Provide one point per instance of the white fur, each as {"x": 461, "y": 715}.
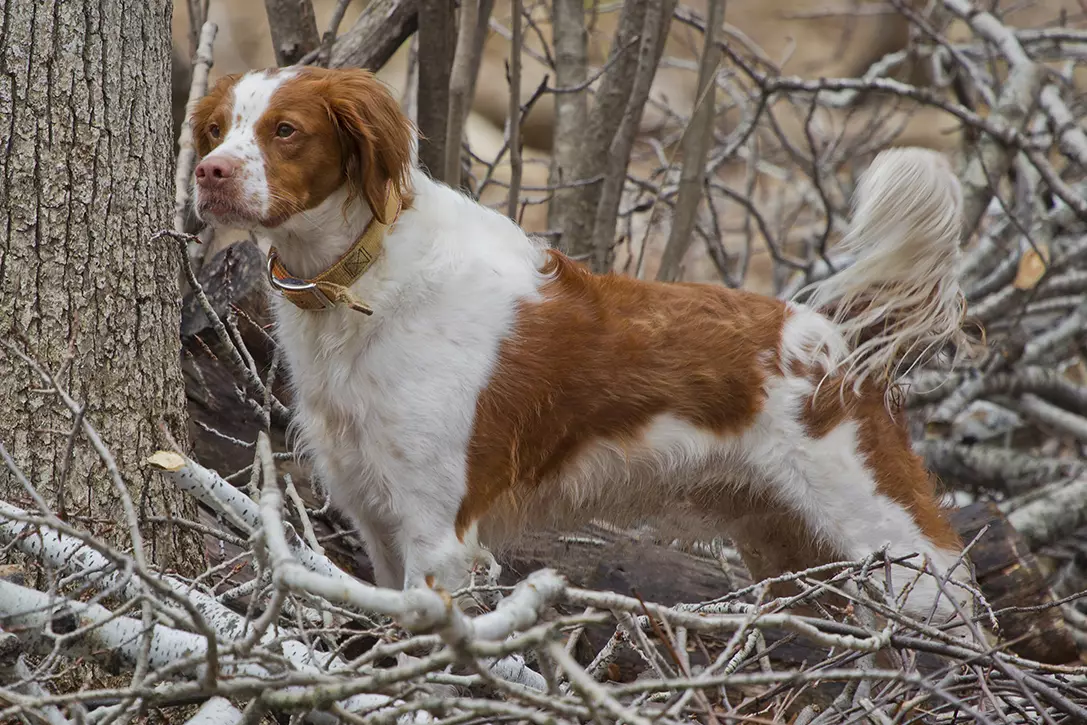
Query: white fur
{"x": 905, "y": 232}
{"x": 386, "y": 404}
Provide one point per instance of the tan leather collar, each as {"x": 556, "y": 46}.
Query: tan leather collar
{"x": 332, "y": 287}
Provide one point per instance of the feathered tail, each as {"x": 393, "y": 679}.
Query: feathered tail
{"x": 900, "y": 301}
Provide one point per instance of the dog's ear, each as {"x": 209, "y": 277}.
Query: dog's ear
{"x": 375, "y": 134}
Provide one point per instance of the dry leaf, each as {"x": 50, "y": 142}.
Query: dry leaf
{"x": 166, "y": 461}
{"x": 1032, "y": 266}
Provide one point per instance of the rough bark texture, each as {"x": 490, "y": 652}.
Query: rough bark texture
{"x": 85, "y": 180}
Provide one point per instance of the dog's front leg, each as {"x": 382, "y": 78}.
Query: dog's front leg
{"x": 379, "y": 538}
{"x": 434, "y": 556}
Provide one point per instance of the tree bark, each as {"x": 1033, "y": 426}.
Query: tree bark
{"x": 696, "y": 143}
{"x": 571, "y": 108}
{"x": 381, "y": 28}
{"x": 437, "y": 44}
{"x": 85, "y": 180}
{"x": 294, "y": 29}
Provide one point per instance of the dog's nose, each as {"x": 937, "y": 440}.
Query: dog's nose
{"x": 210, "y": 173}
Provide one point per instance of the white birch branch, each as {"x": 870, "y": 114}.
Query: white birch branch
{"x": 216, "y": 711}
{"x": 92, "y": 631}
{"x": 60, "y": 550}
{"x": 209, "y": 488}
{"x": 186, "y": 155}
{"x": 1072, "y": 138}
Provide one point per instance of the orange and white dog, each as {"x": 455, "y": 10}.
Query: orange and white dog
{"x": 459, "y": 383}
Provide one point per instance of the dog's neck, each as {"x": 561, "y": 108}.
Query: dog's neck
{"x": 311, "y": 241}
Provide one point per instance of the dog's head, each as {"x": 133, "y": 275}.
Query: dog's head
{"x": 276, "y": 143}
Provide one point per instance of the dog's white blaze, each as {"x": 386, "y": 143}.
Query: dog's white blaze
{"x": 251, "y": 97}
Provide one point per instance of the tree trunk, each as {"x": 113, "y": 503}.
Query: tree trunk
{"x": 437, "y": 44}
{"x": 85, "y": 180}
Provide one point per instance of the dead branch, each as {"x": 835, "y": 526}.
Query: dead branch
{"x": 658, "y": 20}
{"x": 612, "y": 127}
{"x": 329, "y": 37}
{"x": 696, "y": 143}
{"x": 513, "y": 116}
{"x": 993, "y": 160}
{"x": 198, "y": 15}
{"x": 381, "y": 28}
{"x": 603, "y": 123}
{"x": 186, "y": 155}
{"x": 1053, "y": 516}
{"x": 294, "y": 29}
{"x": 479, "y": 38}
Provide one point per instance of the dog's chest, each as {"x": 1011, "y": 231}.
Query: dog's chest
{"x": 377, "y": 404}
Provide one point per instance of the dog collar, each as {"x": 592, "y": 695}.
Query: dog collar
{"x": 333, "y": 286}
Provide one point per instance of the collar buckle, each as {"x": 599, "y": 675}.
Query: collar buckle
{"x": 293, "y": 286}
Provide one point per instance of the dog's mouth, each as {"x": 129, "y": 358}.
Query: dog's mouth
{"x": 219, "y": 210}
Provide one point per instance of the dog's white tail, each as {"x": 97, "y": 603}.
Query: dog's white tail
{"x": 900, "y": 300}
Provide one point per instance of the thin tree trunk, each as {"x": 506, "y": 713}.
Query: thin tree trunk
{"x": 658, "y": 20}
{"x": 609, "y": 104}
{"x": 437, "y": 45}
{"x": 460, "y": 82}
{"x": 85, "y": 180}
{"x": 514, "y": 115}
{"x": 589, "y": 218}
{"x": 571, "y": 107}
{"x": 696, "y": 145}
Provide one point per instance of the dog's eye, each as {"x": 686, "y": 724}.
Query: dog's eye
{"x": 213, "y": 129}
{"x": 284, "y": 130}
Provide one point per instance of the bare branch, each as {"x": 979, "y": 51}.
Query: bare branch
{"x": 216, "y": 711}
{"x": 611, "y": 129}
{"x": 513, "y": 116}
{"x": 460, "y": 85}
{"x": 329, "y": 37}
{"x": 294, "y": 29}
{"x": 381, "y": 28}
{"x": 609, "y": 104}
{"x": 1051, "y": 517}
{"x": 658, "y": 20}
{"x": 696, "y": 143}
{"x": 198, "y": 15}
{"x": 994, "y": 159}
{"x": 479, "y": 38}
{"x": 186, "y": 155}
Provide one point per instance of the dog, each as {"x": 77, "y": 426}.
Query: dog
{"x": 459, "y": 383}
